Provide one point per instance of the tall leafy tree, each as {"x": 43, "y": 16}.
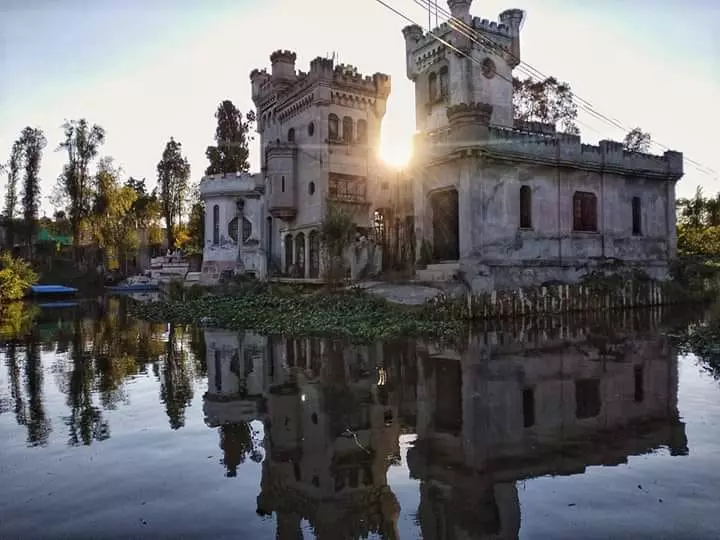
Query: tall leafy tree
{"x": 232, "y": 135}
{"x": 11, "y": 196}
{"x": 548, "y": 101}
{"x": 82, "y": 142}
{"x": 637, "y": 140}
{"x": 33, "y": 143}
{"x": 113, "y": 224}
{"x": 173, "y": 175}
{"x": 13, "y": 175}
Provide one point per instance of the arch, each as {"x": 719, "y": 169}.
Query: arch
{"x": 314, "y": 256}
{"x": 347, "y": 134}
{"x": 362, "y": 131}
{"x": 444, "y": 83}
{"x": 432, "y": 87}
{"x": 333, "y": 127}
{"x": 311, "y": 128}
{"x": 446, "y": 224}
{"x": 636, "y": 216}
{"x": 584, "y": 211}
{"x": 311, "y": 188}
{"x": 525, "y": 207}
{"x": 216, "y": 224}
{"x": 291, "y": 135}
{"x": 300, "y": 254}
{"x": 288, "y": 252}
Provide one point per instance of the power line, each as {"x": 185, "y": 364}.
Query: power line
{"x": 533, "y": 72}
{"x": 485, "y": 42}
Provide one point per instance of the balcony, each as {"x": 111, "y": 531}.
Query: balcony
{"x": 347, "y": 188}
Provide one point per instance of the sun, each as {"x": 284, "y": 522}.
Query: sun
{"x": 395, "y": 151}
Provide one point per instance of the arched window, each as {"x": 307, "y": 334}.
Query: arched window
{"x": 636, "y": 216}
{"x": 362, "y": 131}
{"x": 432, "y": 87}
{"x": 311, "y": 188}
{"x": 347, "y": 129}
{"x": 525, "y": 207}
{"x": 233, "y": 229}
{"x": 216, "y": 225}
{"x": 584, "y": 211}
{"x": 333, "y": 126}
{"x": 379, "y": 222}
{"x": 291, "y": 135}
{"x": 444, "y": 82}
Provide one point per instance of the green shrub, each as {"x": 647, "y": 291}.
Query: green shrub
{"x": 16, "y": 276}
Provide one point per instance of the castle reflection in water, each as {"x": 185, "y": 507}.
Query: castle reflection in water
{"x": 522, "y": 400}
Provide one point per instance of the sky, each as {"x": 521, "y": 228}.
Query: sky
{"x": 147, "y": 70}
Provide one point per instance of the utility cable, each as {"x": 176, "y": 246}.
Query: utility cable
{"x": 527, "y": 69}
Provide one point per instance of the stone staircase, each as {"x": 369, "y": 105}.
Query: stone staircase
{"x": 438, "y": 272}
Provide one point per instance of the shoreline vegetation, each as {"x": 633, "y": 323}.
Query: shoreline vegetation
{"x": 296, "y": 311}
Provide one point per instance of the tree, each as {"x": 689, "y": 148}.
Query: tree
{"x": 547, "y": 101}
{"x": 232, "y": 136}
{"x": 13, "y": 174}
{"x": 82, "y": 143}
{"x": 173, "y": 174}
{"x": 33, "y": 142}
{"x": 637, "y": 141}
{"x": 337, "y": 233}
{"x": 113, "y": 223}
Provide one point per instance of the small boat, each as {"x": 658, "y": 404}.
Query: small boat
{"x": 54, "y": 290}
{"x": 58, "y": 305}
{"x": 132, "y": 288}
{"x": 134, "y": 284}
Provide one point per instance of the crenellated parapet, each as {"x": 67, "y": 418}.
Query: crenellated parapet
{"x": 567, "y": 150}
{"x": 230, "y": 185}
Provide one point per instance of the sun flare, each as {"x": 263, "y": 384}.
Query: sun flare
{"x": 395, "y": 151}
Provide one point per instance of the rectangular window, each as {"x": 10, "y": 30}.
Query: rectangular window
{"x": 584, "y": 211}
{"x": 347, "y": 188}
{"x": 525, "y": 207}
{"x": 639, "y": 385}
{"x": 528, "y": 402}
{"x": 587, "y": 398}
{"x": 636, "y": 216}
{"x": 216, "y": 224}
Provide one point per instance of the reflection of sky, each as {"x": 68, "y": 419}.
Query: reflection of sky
{"x": 149, "y": 480}
{"x": 150, "y": 70}
{"x": 688, "y": 486}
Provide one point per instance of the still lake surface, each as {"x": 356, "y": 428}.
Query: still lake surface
{"x": 566, "y": 427}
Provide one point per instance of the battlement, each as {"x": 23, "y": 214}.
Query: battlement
{"x": 230, "y": 184}
{"x": 283, "y": 56}
{"x": 567, "y": 150}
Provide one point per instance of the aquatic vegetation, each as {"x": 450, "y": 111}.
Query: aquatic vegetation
{"x": 353, "y": 314}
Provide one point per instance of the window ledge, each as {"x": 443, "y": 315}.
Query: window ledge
{"x": 585, "y": 233}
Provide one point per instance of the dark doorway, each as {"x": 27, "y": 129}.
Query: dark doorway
{"x": 314, "y": 254}
{"x": 446, "y": 226}
{"x": 448, "y": 408}
{"x": 288, "y": 252}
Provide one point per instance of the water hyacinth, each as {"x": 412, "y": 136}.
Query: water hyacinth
{"x": 354, "y": 315}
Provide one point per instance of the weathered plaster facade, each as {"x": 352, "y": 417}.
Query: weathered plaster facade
{"x": 319, "y": 134}
{"x": 514, "y": 203}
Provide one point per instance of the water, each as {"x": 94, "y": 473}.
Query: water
{"x": 559, "y": 428}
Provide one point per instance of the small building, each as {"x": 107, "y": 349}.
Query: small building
{"x": 510, "y": 204}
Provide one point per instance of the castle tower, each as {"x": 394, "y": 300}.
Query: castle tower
{"x": 476, "y": 68}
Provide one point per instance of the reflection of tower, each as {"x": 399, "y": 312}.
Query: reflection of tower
{"x": 236, "y": 384}
{"x": 328, "y": 439}
{"x": 526, "y": 413}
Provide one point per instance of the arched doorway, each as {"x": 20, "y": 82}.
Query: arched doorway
{"x": 288, "y": 252}
{"x": 300, "y": 254}
{"x": 314, "y": 254}
{"x": 446, "y": 225}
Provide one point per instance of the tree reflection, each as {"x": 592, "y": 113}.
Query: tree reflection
{"x": 176, "y": 387}
{"x": 86, "y": 423}
{"x": 39, "y": 426}
{"x": 11, "y": 359}
{"x": 236, "y": 443}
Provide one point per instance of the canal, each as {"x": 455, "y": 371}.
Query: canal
{"x": 569, "y": 427}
